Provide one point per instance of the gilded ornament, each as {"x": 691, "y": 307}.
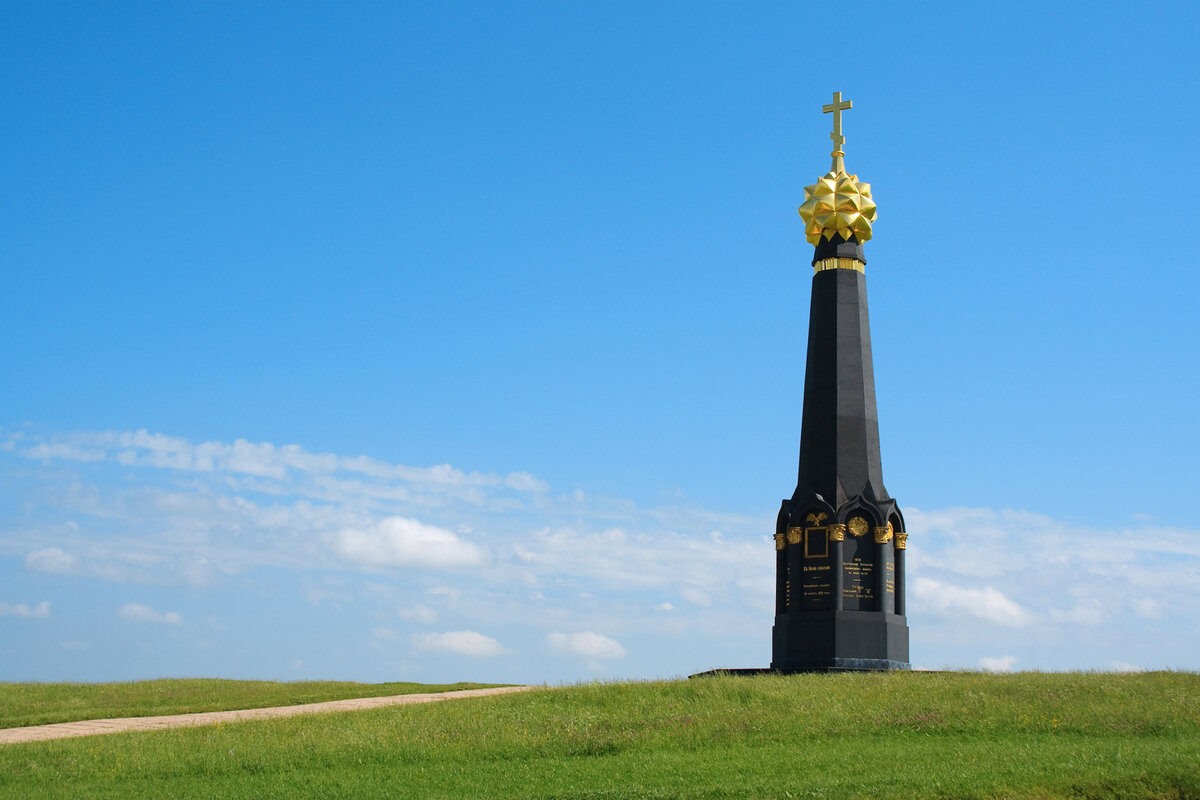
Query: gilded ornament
{"x": 837, "y": 533}
{"x": 839, "y": 263}
{"x": 779, "y": 541}
{"x": 838, "y": 202}
{"x": 883, "y": 534}
{"x": 858, "y": 526}
{"x": 836, "y": 108}
{"x": 901, "y": 540}
{"x": 794, "y": 535}
{"x": 816, "y": 518}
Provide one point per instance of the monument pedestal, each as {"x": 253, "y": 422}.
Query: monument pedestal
{"x": 825, "y": 641}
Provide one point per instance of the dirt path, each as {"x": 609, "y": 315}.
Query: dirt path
{"x": 93, "y": 727}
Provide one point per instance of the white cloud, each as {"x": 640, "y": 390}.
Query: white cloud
{"x": 215, "y": 523}
{"x": 64, "y": 450}
{"x": 699, "y": 567}
{"x": 1084, "y": 612}
{"x": 759, "y": 591}
{"x": 1147, "y": 607}
{"x": 403, "y": 542}
{"x": 262, "y": 459}
{"x": 463, "y": 643}
{"x": 587, "y": 644}
{"x": 1124, "y": 666}
{"x": 161, "y": 510}
{"x": 696, "y": 596}
{"x": 40, "y": 611}
{"x": 524, "y": 482}
{"x": 51, "y": 559}
{"x": 136, "y": 612}
{"x": 1000, "y": 664}
{"x": 417, "y": 613}
{"x": 957, "y": 602}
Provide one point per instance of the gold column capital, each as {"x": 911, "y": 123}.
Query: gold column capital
{"x": 795, "y": 535}
{"x": 883, "y": 534}
{"x": 901, "y": 540}
{"x": 837, "y": 533}
{"x": 779, "y": 541}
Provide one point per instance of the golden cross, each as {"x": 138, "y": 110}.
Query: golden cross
{"x": 837, "y": 107}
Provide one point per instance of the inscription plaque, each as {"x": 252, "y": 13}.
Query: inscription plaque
{"x": 858, "y": 571}
{"x": 888, "y": 601}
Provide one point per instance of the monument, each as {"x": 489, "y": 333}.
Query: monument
{"x": 840, "y": 538}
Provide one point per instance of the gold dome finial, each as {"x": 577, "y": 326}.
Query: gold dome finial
{"x": 837, "y": 203}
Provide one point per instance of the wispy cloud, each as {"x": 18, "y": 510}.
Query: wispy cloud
{"x": 997, "y": 664}
{"x": 415, "y": 545}
{"x": 51, "y": 559}
{"x": 463, "y": 643}
{"x": 265, "y": 460}
{"x": 192, "y": 514}
{"x": 587, "y": 644}
{"x": 1048, "y": 588}
{"x": 136, "y": 612}
{"x": 403, "y": 542}
{"x": 40, "y": 611}
{"x": 962, "y": 603}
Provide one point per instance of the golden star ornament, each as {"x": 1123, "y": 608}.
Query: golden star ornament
{"x": 837, "y": 203}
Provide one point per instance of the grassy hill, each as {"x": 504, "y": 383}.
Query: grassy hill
{"x": 44, "y": 703}
{"x": 901, "y": 735}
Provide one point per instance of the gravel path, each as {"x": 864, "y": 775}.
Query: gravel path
{"x": 93, "y": 727}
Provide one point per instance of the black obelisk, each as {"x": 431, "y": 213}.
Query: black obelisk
{"x": 840, "y": 538}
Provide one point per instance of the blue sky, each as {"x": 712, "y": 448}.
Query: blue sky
{"x": 443, "y": 341}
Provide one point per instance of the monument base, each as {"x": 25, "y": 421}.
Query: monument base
{"x": 851, "y": 665}
{"x": 833, "y": 641}
{"x": 839, "y": 640}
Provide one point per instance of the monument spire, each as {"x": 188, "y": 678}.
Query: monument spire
{"x": 840, "y": 538}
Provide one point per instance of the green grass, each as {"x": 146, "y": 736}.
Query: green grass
{"x": 42, "y": 703}
{"x": 897, "y": 735}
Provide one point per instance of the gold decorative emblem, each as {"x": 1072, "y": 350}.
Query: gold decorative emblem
{"x": 779, "y": 541}
{"x": 816, "y": 518}
{"x": 837, "y": 533}
{"x": 858, "y": 526}
{"x": 838, "y": 202}
{"x": 901, "y": 540}
{"x": 794, "y": 535}
{"x": 883, "y": 534}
